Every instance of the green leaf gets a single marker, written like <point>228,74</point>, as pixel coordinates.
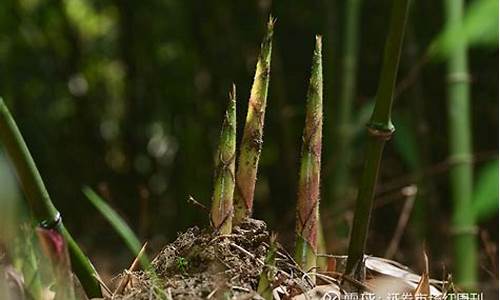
<point>485,198</point>
<point>479,28</point>
<point>114,219</point>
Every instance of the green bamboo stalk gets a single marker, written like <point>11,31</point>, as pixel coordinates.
<point>380,129</point>
<point>461,171</point>
<point>343,136</point>
<point>221,214</point>
<point>39,201</point>
<point>343,131</point>
<point>310,167</point>
<point>251,143</point>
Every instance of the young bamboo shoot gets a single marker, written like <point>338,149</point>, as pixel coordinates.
<point>251,143</point>
<point>310,167</point>
<point>221,214</point>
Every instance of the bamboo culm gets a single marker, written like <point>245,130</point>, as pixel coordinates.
<point>39,200</point>
<point>460,149</point>
<point>343,134</point>
<point>380,129</point>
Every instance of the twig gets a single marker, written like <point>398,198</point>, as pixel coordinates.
<point>327,278</point>
<point>490,253</point>
<point>357,283</point>
<point>192,200</point>
<point>218,237</point>
<point>169,294</point>
<point>103,285</point>
<point>240,288</point>
<point>124,281</point>
<point>412,75</point>
<point>223,262</point>
<point>435,169</point>
<point>402,222</point>
<point>246,252</point>
<point>212,293</point>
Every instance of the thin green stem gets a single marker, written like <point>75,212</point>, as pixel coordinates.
<point>381,117</point>
<point>221,214</point>
<point>461,173</point>
<point>251,142</point>
<point>380,129</point>
<point>343,134</point>
<point>310,168</point>
<point>38,198</point>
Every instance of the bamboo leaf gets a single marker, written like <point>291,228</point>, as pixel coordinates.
<point>479,28</point>
<point>485,197</point>
<point>127,235</point>
<point>117,222</point>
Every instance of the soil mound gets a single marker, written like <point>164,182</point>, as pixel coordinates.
<point>202,265</point>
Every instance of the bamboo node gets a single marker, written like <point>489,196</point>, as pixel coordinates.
<point>456,159</point>
<point>464,230</point>
<point>459,77</point>
<point>52,224</point>
<point>379,132</point>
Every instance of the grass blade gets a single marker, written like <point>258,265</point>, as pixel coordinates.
<point>118,224</point>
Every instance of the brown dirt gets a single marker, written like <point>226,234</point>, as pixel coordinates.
<point>201,265</point>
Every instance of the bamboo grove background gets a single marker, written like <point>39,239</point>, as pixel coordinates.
<point>128,96</point>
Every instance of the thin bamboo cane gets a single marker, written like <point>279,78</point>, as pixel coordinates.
<point>39,200</point>
<point>343,134</point>
<point>460,148</point>
<point>380,129</point>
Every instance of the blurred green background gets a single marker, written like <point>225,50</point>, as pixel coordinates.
<point>128,97</point>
